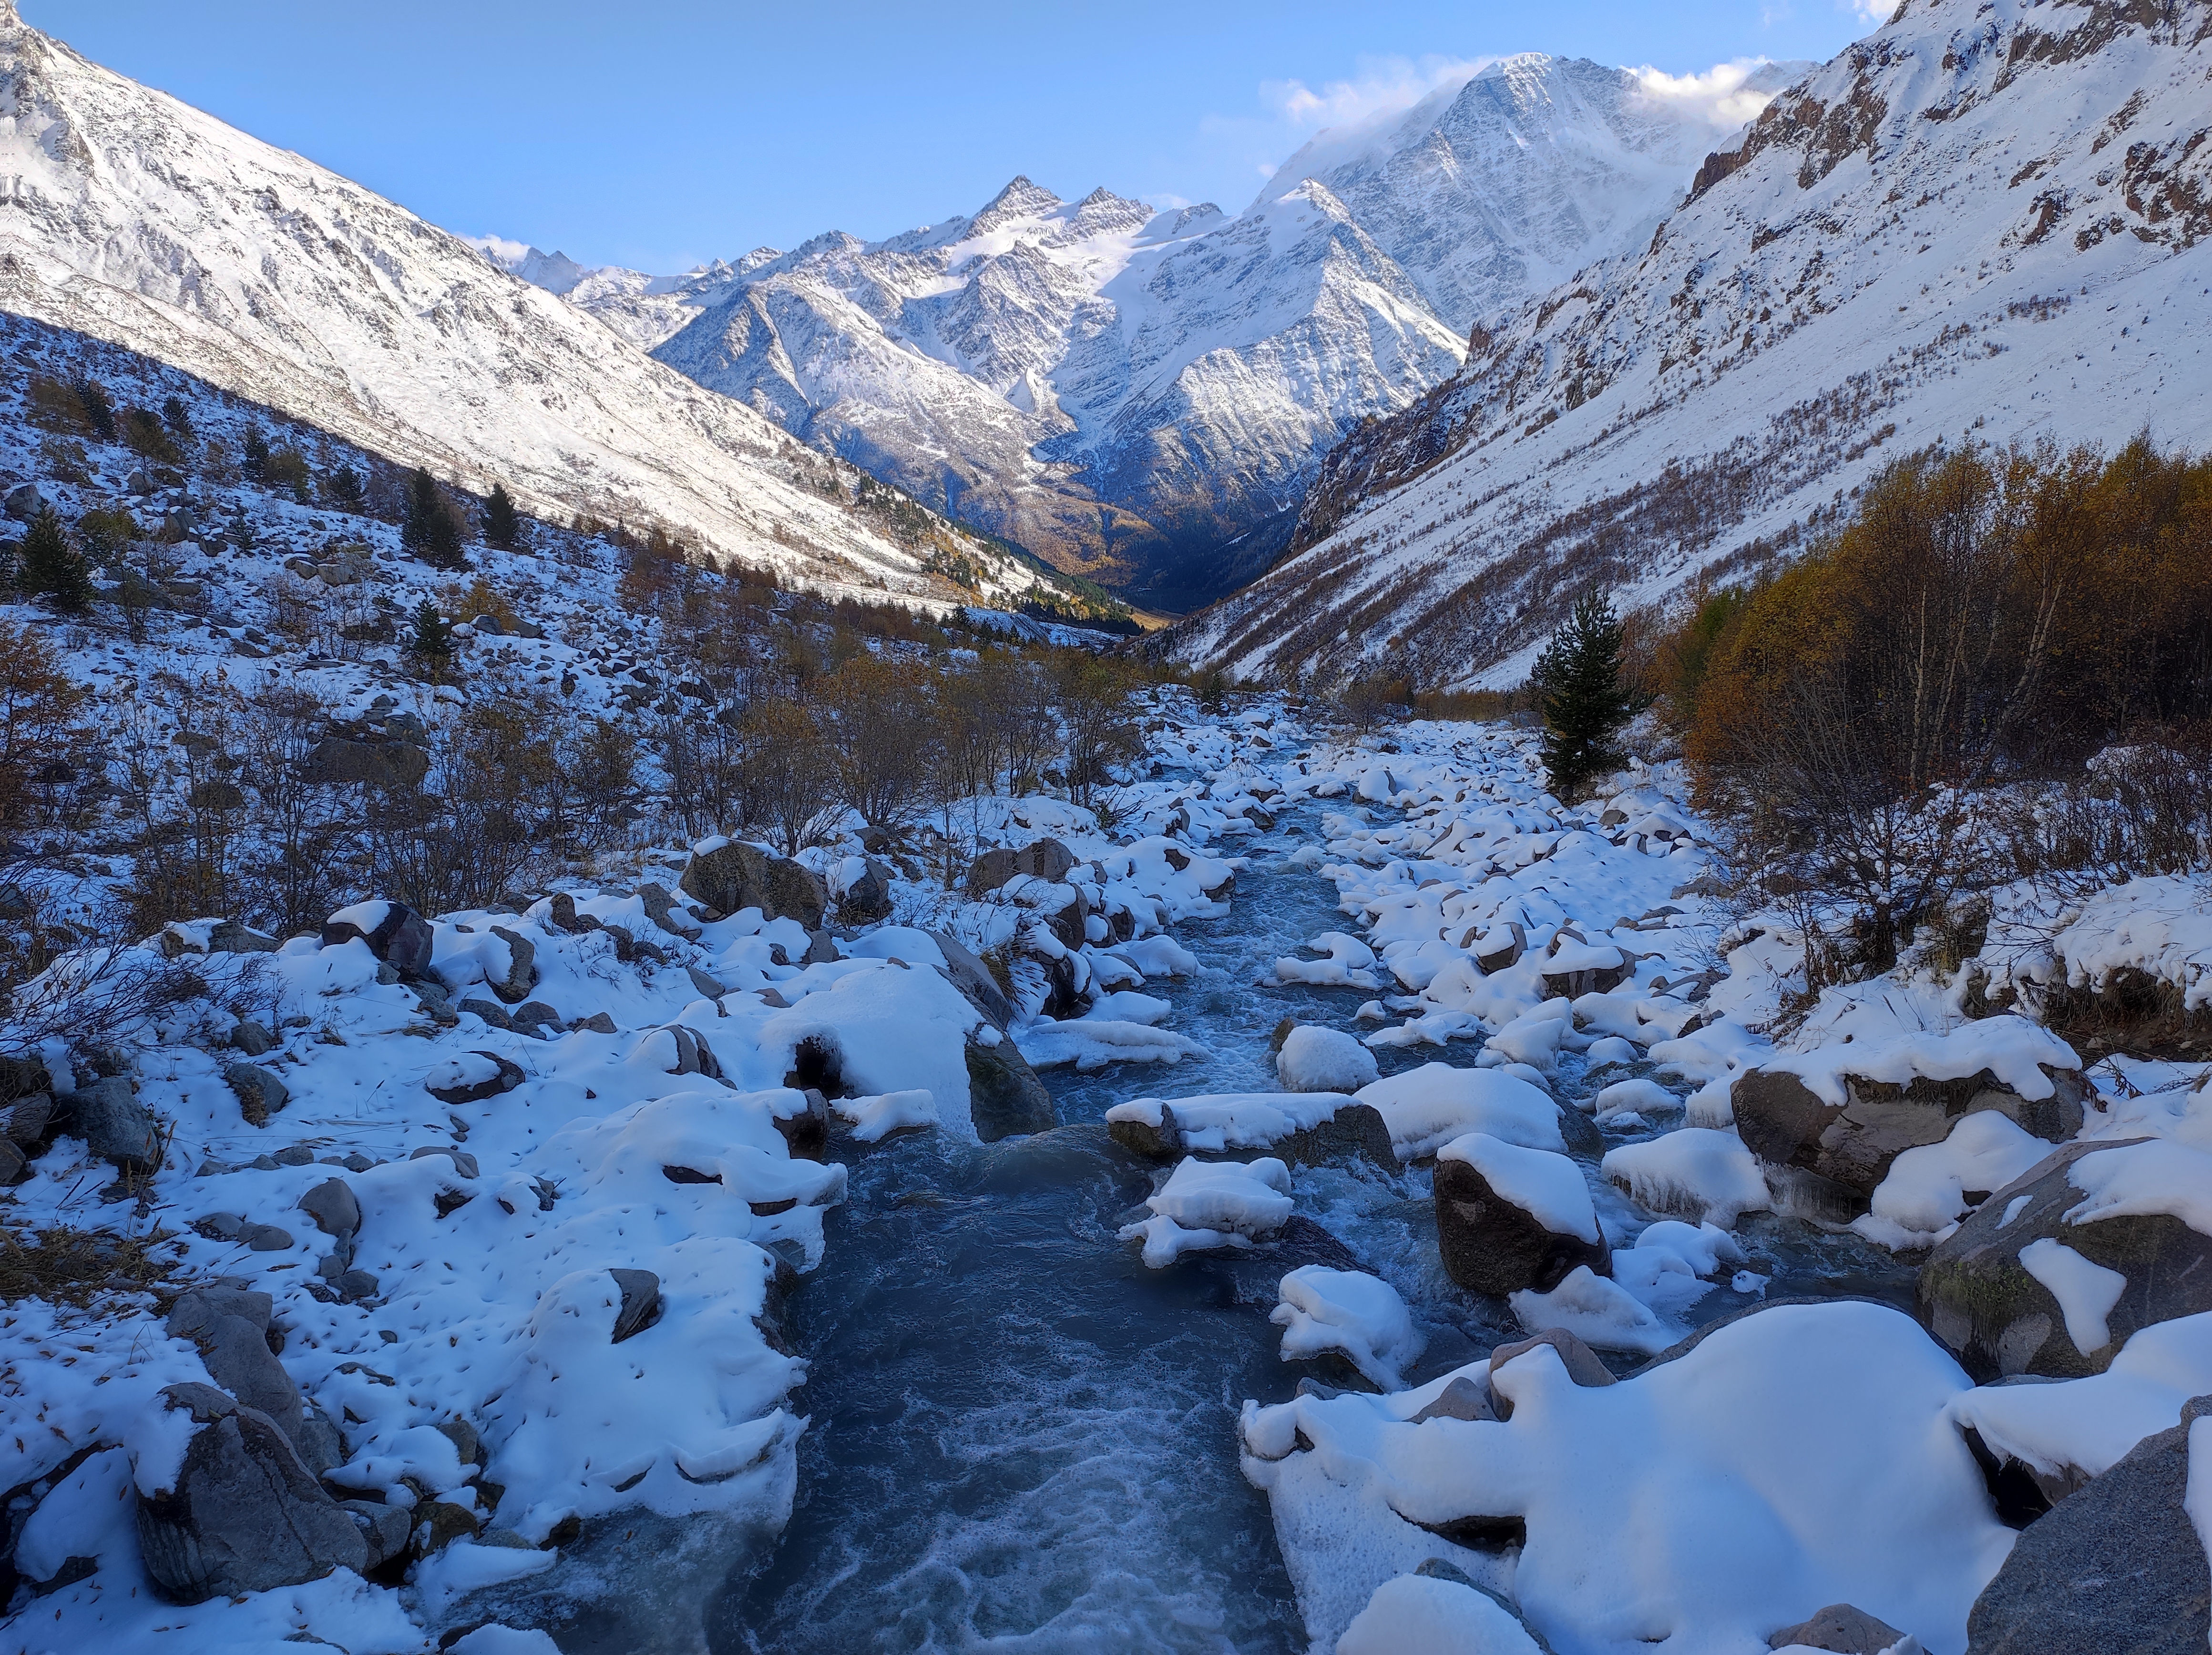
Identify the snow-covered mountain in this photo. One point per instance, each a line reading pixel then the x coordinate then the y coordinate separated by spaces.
pixel 133 218
pixel 1145 395
pixel 1988 220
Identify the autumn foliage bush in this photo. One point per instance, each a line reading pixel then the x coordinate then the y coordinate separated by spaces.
pixel 1989 617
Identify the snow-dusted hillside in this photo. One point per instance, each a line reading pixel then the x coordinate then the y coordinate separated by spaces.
pixel 133 218
pixel 1123 390
pixel 1983 221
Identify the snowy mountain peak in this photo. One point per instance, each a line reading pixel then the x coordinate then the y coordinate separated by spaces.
pixel 1987 220
pixel 556 272
pixel 137 220
pixel 1020 199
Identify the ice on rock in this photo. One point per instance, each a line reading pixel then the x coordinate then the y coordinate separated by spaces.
pixel 1803 1455
pixel 1632 1098
pixel 1701 1173
pixel 1599 1310
pixel 1089 1046
pixel 1349 964
pixel 1922 1196
pixel 1427 1108
pixel 1421 1615
pixel 1315 1059
pixel 1205 1205
pixel 873 1119
pixel 1360 1315
pixel 1217 1122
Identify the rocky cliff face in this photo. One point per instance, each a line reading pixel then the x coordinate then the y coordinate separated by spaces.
pixel 137 220
pixel 1145 396
pixel 1986 222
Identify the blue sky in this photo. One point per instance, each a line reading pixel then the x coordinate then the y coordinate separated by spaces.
pixel 657 135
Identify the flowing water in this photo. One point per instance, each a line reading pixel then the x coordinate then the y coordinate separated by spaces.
pixel 1023 1440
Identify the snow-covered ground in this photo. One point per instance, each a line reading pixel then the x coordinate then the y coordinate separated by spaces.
pixel 463 1350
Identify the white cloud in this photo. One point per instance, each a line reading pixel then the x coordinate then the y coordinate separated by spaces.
pixel 1384 87
pixel 1873 12
pixel 500 250
pixel 1720 96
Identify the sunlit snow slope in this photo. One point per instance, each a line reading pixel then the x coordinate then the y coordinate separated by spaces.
pixel 1985 219
pixel 135 219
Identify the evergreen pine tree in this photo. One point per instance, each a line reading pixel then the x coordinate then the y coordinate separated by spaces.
pixel 430 531
pixel 256 451
pixel 344 490
pixel 99 411
pixel 48 567
pixel 431 641
pixel 503 525
pixel 1578 683
pixel 179 416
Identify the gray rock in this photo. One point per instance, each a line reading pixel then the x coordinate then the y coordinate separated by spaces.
pixel 1842 1628
pixel 1851 1145
pixel 15 1166
pixel 522 967
pixel 251 1038
pixel 464 1162
pixel 641 1301
pixel 242 1511
pixel 266 1238
pixel 1582 1363
pixel 438 1524
pixel 333 1206
pixel 509 1076
pixel 238 1358
pixel 384 1529
pixel 402 938
pixel 388 766
pixel 231 937
pixel 1161 1142
pixel 295 1154
pixel 28 1118
pixel 598 1023
pixel 665 910
pixel 806 1131
pixel 114 1125
pixel 2118 1566
pixel 196 1308
pixel 1463 1399
pixel 1504 950
pixel 736 875
pixel 1005 1096
pixel 25 502
pixel 706 985
pixel 490 1011
pixel 973 978
pixel 1580 1133
pixel 260 1093
pixel 1979 1300
pixel 1491 1246
pixel 1355 1131
pixel 867 900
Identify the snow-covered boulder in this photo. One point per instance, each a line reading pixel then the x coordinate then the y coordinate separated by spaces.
pixel 1798 1457
pixel 730 875
pixel 1838 1115
pixel 1358 1316
pixel 1302 1128
pixel 225 1504
pixel 1207 1204
pixel 2119 1565
pixel 2057 1268
pixel 1510 1218
pixel 1316 1059
pixel 1427 1108
pixel 1701 1174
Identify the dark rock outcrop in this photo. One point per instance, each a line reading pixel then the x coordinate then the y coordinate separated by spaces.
pixel 1491 1246
pixel 402 938
pixel 1005 1099
pixel 735 875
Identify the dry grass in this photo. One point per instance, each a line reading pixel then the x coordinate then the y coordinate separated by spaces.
pixel 82 1267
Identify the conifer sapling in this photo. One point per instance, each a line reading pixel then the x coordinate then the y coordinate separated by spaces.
pixel 432 639
pixel 1578 684
pixel 49 567
pixel 501 523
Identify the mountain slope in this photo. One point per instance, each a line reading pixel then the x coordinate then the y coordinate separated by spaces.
pixel 1144 397
pixel 1987 220
pixel 135 219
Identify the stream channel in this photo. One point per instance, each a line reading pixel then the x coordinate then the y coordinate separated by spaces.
pixel 1021 1438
